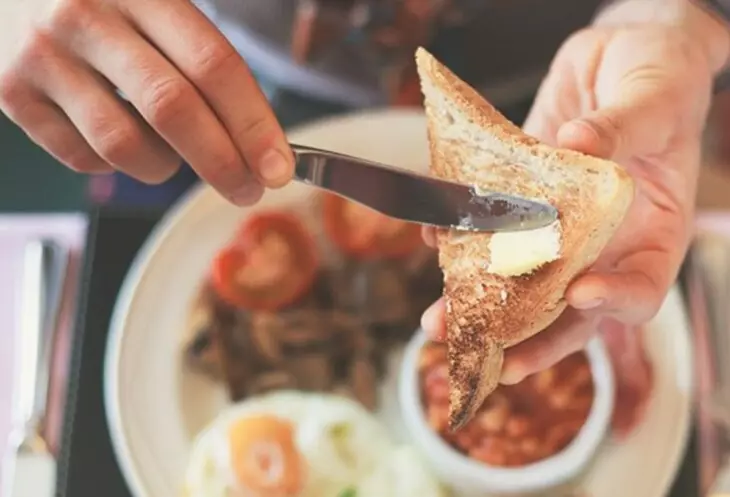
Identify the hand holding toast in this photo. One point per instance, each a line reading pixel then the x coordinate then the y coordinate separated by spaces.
pixel 646 110
pixel 639 96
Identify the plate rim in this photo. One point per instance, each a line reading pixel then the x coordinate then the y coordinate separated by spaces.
pixel 163 230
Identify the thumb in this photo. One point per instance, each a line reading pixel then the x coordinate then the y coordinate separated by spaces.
pixel 633 292
pixel 637 121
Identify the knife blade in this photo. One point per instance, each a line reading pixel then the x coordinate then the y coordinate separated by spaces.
pixel 29 467
pixel 417 198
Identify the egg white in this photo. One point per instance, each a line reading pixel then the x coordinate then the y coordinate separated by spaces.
pixel 344 447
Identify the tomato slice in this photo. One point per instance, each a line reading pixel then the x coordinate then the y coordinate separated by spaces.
pixel 367 234
pixel 271 263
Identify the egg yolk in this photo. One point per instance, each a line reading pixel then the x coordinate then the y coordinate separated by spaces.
pixel 264 456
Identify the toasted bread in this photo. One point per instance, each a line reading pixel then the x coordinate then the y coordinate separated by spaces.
pixel 472 143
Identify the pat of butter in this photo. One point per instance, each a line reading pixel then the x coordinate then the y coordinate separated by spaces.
pixel 521 252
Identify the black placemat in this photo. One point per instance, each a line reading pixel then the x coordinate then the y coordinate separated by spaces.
pixel 87 465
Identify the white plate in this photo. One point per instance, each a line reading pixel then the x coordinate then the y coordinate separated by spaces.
pixel 155 406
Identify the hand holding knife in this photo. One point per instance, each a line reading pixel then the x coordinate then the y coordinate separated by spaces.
pixel 418 198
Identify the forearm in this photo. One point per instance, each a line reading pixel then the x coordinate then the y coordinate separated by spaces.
pixel 712 33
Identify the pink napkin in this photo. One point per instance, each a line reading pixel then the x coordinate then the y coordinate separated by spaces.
pixel 15 230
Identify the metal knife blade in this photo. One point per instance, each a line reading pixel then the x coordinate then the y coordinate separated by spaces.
pixel 418 198
pixel 29 468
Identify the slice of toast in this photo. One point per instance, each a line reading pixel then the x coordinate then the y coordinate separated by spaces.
pixel 472 143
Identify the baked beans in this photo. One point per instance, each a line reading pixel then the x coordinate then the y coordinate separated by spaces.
pixel 517 424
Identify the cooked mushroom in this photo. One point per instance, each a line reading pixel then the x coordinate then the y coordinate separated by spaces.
pixel 203 354
pixel 364 382
pixel 313 371
pixel 202 349
pixel 377 292
pixel 270 380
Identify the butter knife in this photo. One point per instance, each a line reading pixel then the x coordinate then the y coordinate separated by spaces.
pixel 417 198
pixel 29 468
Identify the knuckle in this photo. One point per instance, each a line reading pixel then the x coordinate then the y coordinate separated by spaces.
pixel 12 93
pixel 117 143
pixel 166 101
pixel 37 51
pixel 228 171
pixel 256 132
pixel 214 60
pixel 67 17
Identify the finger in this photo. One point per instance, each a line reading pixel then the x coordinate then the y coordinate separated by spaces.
pixel 172 106
pixel 52 130
pixel 429 236
pixel 209 61
pixel 633 292
pixel 569 333
pixel 556 101
pixel 106 125
pixel 636 121
pixel 433 321
pixel 543 120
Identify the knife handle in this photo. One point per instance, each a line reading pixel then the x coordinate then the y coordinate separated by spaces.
pixel 44 267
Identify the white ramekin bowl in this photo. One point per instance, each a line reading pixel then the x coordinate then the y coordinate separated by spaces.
pixel 473 478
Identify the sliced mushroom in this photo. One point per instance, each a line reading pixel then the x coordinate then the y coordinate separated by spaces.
pixel 304 330
pixel 202 350
pixel 364 382
pixel 203 354
pixel 312 371
pixel 263 337
pixel 269 381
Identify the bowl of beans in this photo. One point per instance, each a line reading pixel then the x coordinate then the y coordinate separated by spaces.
pixel 539 434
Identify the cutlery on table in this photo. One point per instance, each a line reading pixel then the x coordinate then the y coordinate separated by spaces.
pixel 29 467
pixel 413 197
pixel 708 281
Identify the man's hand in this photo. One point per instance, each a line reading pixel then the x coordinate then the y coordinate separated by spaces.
pixel 637 94
pixel 190 96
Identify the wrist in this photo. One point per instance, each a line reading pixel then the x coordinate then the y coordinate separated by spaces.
pixel 698 23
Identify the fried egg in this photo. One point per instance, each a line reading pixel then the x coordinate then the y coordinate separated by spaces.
pixel 296 444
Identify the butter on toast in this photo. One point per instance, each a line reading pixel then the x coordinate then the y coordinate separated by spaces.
pixel 494 304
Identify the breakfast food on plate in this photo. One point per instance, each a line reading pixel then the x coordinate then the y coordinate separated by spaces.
pixel 518 424
pixel 288 444
pixel 312 297
pixel 269 265
pixel 365 234
pixel 504 288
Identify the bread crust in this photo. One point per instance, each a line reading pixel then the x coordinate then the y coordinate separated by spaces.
pixel 472 143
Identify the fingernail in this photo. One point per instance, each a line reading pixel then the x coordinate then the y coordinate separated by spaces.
pixel 588 304
pixel 248 194
pixel 429 319
pixel 511 376
pixel 273 167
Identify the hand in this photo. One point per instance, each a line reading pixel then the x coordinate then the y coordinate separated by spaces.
pixel 190 95
pixel 638 95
